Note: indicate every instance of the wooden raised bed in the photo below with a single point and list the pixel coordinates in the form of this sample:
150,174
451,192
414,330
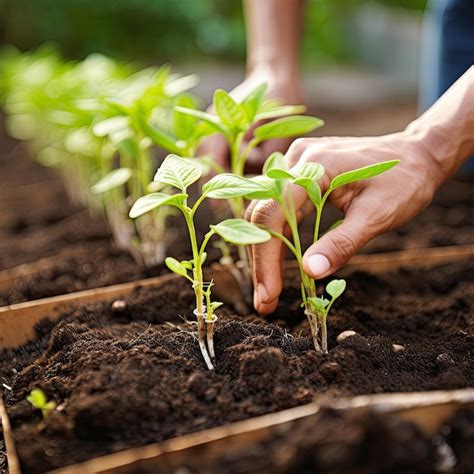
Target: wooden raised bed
427,409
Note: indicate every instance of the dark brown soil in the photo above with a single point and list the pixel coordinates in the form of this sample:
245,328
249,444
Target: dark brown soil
125,378
358,442
37,222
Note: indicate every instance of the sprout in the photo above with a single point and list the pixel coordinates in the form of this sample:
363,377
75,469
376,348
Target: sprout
274,180
179,173
38,400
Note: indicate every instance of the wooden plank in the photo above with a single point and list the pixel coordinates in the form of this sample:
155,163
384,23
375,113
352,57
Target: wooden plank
429,410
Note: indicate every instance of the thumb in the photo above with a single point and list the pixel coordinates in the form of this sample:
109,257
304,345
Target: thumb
336,247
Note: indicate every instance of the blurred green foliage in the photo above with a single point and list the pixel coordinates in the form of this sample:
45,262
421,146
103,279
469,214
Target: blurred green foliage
167,30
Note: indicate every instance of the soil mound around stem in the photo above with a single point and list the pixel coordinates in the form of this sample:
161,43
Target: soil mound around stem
128,375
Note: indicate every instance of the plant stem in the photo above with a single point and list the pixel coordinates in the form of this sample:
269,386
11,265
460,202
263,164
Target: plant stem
210,339
198,287
308,287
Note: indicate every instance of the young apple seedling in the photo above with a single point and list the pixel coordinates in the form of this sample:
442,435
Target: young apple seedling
180,173
275,179
38,400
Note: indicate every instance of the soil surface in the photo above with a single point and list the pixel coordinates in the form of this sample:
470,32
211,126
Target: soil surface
357,442
134,375
36,222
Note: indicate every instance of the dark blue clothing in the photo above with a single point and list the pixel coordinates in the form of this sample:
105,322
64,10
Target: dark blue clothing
448,50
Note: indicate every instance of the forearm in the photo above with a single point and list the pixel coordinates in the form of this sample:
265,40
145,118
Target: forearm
446,130
273,33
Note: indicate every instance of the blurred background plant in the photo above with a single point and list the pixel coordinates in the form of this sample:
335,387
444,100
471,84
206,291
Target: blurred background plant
177,30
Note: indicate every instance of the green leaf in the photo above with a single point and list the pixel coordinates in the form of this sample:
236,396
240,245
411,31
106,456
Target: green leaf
112,180
280,111
215,305
228,185
205,117
178,172
252,103
180,84
312,171
270,188
176,267
152,201
275,160
313,190
241,232
111,125
287,127
279,173
37,398
184,125
362,173
335,288
230,112
319,304
160,137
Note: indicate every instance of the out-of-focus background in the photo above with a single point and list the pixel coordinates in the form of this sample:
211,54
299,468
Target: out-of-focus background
360,58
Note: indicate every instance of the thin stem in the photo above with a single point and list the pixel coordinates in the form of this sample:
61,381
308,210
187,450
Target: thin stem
319,211
198,286
205,241
324,334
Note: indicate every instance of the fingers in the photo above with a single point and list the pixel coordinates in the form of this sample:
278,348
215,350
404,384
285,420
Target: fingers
266,257
336,247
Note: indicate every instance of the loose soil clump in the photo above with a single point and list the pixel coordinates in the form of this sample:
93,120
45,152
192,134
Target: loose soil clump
129,374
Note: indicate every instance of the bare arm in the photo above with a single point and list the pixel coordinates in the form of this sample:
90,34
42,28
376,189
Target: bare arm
273,32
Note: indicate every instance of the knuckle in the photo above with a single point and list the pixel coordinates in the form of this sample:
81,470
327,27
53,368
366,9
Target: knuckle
266,212
345,246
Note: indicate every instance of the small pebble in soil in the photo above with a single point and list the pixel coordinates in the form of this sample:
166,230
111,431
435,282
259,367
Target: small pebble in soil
118,306
398,348
345,334
445,361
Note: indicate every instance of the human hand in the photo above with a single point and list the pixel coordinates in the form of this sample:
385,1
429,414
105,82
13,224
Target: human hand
280,87
371,207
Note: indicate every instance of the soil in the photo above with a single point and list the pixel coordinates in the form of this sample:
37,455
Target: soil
357,442
37,222
134,376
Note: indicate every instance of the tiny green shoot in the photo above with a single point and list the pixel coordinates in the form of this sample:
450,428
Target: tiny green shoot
37,398
179,173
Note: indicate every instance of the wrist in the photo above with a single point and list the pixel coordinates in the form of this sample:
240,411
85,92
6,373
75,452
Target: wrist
275,69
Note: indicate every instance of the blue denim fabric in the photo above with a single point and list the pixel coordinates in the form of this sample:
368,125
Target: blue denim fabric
448,49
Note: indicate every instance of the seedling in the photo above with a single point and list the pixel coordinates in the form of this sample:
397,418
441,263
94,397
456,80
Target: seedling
275,179
234,121
38,400
180,173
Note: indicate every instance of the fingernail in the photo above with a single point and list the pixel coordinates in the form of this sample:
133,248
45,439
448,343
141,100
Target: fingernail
262,294
318,264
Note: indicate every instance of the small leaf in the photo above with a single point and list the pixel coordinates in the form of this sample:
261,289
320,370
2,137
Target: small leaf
335,288
152,201
111,125
318,304
228,185
112,180
270,188
252,103
178,172
241,232
215,305
279,173
230,113
37,398
275,160
287,127
187,264
313,171
176,267
362,173
205,117
313,190
280,111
